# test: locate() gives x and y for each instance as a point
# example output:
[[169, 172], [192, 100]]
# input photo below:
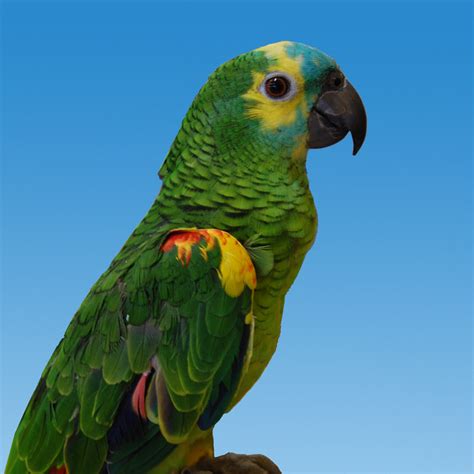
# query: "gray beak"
[[337, 111]]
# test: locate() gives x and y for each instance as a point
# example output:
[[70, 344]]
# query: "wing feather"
[[155, 351]]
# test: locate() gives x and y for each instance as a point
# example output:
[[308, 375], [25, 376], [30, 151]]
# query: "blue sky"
[[373, 369]]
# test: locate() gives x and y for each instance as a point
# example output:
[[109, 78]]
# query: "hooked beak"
[[335, 113]]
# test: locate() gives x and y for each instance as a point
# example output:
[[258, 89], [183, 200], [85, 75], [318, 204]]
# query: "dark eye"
[[277, 87]]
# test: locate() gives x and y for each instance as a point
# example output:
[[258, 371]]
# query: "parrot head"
[[285, 97]]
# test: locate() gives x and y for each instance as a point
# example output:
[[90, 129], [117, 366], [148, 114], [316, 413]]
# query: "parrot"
[[188, 314]]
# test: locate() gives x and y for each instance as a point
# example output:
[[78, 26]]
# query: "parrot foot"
[[232, 463]]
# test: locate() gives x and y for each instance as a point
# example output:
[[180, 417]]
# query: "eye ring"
[[278, 86]]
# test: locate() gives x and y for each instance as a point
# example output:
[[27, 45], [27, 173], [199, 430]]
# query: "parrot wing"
[[157, 348]]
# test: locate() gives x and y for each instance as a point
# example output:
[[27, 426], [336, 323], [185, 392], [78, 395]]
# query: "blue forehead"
[[314, 61]]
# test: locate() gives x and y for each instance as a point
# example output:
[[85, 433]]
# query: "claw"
[[232, 463]]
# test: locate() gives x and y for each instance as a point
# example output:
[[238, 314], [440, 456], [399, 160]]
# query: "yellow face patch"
[[277, 113]]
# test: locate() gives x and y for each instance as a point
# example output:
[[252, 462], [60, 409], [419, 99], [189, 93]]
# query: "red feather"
[[138, 397]]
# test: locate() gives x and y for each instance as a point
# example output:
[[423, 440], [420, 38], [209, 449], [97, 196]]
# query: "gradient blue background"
[[373, 369]]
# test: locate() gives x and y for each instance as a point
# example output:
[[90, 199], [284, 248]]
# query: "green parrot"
[[186, 318]]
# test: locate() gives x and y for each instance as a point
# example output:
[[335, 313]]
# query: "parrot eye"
[[278, 86]]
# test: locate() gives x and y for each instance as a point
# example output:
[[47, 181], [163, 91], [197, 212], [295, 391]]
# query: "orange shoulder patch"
[[183, 240], [236, 269]]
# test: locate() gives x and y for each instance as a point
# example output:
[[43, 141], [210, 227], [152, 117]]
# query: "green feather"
[[94, 352], [89, 425], [116, 367], [63, 412], [261, 255], [32, 429], [15, 465], [40, 459], [84, 455], [142, 343]]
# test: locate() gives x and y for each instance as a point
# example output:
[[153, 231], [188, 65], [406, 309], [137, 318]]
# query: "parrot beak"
[[335, 113]]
